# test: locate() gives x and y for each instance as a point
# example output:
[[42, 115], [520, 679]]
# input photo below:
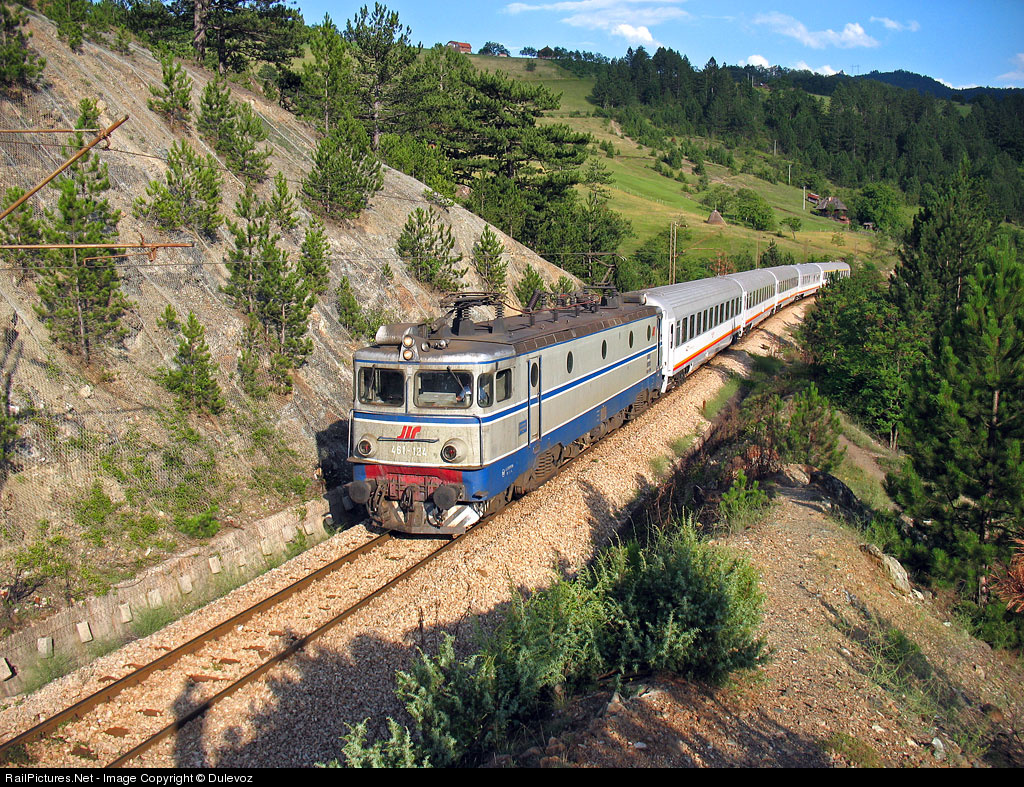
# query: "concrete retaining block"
[[193, 574], [84, 631]]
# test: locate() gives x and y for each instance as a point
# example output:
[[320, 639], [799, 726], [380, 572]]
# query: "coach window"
[[630, 338], [568, 363], [534, 375], [679, 332], [604, 350], [381, 386], [692, 334], [485, 390], [648, 333]]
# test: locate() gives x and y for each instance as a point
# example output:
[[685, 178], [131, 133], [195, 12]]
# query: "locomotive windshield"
[[444, 389], [381, 386]]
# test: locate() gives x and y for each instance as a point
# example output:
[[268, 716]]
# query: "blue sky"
[[959, 43]]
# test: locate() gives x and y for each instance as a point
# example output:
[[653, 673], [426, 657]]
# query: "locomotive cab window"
[[381, 386], [503, 385], [485, 390], [445, 388]]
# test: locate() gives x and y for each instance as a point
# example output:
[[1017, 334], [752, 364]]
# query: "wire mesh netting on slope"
[[102, 472]]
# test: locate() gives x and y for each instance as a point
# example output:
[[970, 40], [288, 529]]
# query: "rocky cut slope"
[[104, 466]]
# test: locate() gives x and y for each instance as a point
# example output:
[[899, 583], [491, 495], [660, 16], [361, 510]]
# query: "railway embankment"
[[842, 686]]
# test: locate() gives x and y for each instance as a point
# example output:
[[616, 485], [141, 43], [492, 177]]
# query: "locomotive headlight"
[[453, 451], [407, 354], [408, 341], [365, 446]]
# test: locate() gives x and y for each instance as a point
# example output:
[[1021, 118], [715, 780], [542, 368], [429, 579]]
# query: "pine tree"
[[285, 302], [190, 194], [345, 172], [426, 245], [948, 236], [327, 80], [313, 258], [193, 381], [964, 479], [21, 228], [279, 371], [243, 261], [350, 314], [168, 319], [18, 66], [174, 99], [530, 282], [122, 43], [216, 110], [71, 17], [814, 430], [281, 205], [383, 54], [563, 286], [487, 257], [81, 300], [249, 361], [241, 137]]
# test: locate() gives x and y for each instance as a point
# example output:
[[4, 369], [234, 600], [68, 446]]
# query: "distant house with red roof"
[[460, 46]]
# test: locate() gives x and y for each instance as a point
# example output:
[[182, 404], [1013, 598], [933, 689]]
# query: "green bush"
[[681, 606], [676, 605], [742, 503]]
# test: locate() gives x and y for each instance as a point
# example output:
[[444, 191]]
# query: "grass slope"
[[652, 201]]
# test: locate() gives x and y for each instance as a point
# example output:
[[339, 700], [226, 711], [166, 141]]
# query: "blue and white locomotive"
[[453, 419]]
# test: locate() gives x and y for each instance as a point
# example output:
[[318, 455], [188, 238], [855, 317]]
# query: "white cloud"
[[756, 60], [955, 87], [852, 35], [631, 19], [899, 27], [825, 70], [1017, 75], [634, 35]]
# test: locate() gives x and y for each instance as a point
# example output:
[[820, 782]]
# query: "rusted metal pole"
[[99, 138]]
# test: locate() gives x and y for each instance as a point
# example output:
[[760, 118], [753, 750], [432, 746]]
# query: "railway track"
[[91, 704]]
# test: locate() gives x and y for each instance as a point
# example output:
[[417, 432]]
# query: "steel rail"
[[80, 708], [297, 645]]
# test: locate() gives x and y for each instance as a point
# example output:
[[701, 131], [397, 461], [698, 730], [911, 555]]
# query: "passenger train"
[[453, 419]]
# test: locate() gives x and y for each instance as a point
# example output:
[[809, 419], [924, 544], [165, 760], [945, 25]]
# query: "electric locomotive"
[[452, 419]]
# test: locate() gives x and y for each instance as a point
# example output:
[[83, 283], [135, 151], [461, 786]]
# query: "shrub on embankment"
[[675, 604]]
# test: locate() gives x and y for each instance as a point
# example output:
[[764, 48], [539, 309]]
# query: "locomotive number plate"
[[397, 449]]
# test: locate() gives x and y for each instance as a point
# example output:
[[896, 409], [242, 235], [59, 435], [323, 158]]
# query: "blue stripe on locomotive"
[[484, 483]]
